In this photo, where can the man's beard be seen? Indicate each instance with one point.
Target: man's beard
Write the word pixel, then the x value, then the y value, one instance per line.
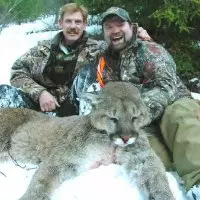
pixel 120 46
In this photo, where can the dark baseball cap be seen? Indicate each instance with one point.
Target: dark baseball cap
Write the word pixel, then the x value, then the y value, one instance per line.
pixel 120 12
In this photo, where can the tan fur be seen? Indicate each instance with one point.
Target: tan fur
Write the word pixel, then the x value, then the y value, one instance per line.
pixel 65 147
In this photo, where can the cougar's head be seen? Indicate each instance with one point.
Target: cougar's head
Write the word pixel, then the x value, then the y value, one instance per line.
pixel 120 112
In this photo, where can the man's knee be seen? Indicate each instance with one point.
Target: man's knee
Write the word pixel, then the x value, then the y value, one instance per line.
pixel 8 96
pixel 13 98
pixel 174 117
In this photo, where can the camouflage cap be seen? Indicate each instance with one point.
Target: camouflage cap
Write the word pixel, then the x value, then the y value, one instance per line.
pixel 120 12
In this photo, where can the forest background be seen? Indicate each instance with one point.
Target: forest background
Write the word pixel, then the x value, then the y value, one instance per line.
pixel 173 23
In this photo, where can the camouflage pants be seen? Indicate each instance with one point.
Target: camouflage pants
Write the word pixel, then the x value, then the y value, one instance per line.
pixel 14 98
pixel 180 128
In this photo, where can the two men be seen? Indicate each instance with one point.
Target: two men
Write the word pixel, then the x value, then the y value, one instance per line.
pixel 151 68
pixel 45 73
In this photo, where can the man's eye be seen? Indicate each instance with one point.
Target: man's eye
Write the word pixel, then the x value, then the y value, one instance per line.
pixel 68 21
pixel 120 24
pixel 78 22
pixel 108 27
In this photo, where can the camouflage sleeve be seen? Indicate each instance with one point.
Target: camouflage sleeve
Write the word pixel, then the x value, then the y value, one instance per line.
pixel 22 76
pixel 159 71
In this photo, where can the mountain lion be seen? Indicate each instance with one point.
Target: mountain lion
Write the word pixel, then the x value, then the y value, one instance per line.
pixel 65 147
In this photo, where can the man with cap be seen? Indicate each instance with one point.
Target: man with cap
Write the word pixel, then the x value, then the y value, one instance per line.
pixel 152 69
pixel 145 63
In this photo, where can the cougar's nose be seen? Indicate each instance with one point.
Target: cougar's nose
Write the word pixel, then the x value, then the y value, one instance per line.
pixel 125 138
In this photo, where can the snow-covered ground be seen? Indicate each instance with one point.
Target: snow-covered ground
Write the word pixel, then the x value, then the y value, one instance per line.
pixel 106 182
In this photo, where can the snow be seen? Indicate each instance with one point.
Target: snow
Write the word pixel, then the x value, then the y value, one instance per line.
pixel 105 182
pixel 14 41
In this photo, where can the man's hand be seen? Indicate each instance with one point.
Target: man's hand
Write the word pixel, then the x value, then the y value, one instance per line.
pixel 142 34
pixel 47 102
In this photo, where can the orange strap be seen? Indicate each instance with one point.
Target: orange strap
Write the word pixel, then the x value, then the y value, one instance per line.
pixel 100 68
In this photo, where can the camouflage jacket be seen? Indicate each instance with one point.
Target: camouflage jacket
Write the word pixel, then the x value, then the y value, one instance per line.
pixel 147 65
pixel 27 73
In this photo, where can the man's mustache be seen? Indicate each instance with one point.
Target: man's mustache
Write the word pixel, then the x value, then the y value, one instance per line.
pixel 73 31
pixel 114 35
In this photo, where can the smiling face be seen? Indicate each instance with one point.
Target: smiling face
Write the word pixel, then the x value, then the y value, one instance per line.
pixel 73 26
pixel 117 32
